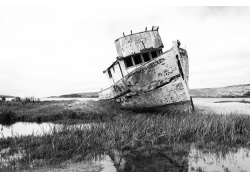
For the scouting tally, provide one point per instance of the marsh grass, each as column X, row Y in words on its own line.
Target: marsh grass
column 57, row 111
column 128, row 130
column 8, row 117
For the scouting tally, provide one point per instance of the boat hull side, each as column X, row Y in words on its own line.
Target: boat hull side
column 172, row 92
column 146, row 77
column 114, row 91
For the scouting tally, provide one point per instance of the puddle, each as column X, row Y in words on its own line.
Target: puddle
column 25, row 129
column 194, row 160
column 106, row 164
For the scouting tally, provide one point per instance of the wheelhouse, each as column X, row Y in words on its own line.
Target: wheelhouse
column 133, row 51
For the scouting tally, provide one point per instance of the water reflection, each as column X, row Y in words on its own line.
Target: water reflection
column 106, row 164
column 235, row 160
column 25, row 129
column 148, row 161
column 180, row 160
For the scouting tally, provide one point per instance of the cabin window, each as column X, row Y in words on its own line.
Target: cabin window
column 137, row 59
column 128, row 62
column 110, row 75
column 153, row 54
column 146, row 57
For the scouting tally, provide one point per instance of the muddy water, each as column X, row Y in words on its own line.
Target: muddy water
column 25, row 129
column 234, row 160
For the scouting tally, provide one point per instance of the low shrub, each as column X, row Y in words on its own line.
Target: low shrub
column 8, row 117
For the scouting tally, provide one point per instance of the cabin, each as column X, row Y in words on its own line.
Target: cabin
column 134, row 50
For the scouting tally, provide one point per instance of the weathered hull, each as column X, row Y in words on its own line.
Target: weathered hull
column 172, row 92
column 162, row 81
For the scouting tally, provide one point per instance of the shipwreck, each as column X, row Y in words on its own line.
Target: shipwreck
column 143, row 76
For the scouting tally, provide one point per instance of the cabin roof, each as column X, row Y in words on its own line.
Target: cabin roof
column 110, row 66
column 154, row 28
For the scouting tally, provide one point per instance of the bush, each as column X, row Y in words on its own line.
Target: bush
column 18, row 99
column 8, row 117
column 247, row 94
column 30, row 99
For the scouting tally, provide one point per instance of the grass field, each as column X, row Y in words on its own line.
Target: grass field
column 119, row 129
column 67, row 112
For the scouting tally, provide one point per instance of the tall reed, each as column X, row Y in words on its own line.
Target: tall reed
column 130, row 130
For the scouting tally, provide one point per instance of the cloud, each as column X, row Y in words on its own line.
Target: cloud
column 225, row 9
column 51, row 51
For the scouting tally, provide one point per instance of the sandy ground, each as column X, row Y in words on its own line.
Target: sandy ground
column 210, row 105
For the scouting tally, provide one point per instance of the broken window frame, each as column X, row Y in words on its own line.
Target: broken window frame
column 134, row 59
column 154, row 51
column 110, row 74
column 125, row 62
column 142, row 58
column 146, row 53
column 141, row 55
column 159, row 52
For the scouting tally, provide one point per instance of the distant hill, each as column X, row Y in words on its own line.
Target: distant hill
column 6, row 96
column 81, row 95
column 228, row 91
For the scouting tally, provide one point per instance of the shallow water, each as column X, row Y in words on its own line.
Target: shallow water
column 212, row 100
column 8, row 99
column 68, row 99
column 208, row 105
column 61, row 99
column 195, row 160
column 106, row 164
column 233, row 161
column 24, row 129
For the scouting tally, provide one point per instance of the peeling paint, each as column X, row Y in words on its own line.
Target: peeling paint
column 137, row 43
column 161, row 96
column 185, row 64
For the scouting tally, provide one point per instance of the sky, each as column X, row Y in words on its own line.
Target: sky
column 54, row 50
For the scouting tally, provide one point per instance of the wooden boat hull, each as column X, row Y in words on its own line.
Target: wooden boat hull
column 172, row 92
column 161, row 81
